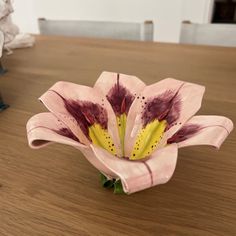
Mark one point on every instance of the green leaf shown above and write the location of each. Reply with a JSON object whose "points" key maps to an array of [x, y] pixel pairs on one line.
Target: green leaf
{"points": [[118, 188], [112, 183], [106, 183]]}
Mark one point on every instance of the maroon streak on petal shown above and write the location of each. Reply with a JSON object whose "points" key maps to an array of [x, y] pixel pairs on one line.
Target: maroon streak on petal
{"points": [[123, 106], [85, 113], [120, 98], [149, 171], [94, 113], [67, 133], [187, 131], [166, 106], [63, 132]]}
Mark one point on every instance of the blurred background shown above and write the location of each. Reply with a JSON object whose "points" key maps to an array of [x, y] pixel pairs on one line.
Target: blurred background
{"points": [[167, 15]]}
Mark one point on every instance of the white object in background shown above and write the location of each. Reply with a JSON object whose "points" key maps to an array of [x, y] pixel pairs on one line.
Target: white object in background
{"points": [[208, 34], [98, 29], [21, 41], [5, 8], [11, 36], [9, 29], [1, 42]]}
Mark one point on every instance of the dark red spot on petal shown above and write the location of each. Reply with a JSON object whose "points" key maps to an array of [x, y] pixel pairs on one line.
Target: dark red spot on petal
{"points": [[166, 106], [67, 133], [123, 106], [120, 98], [85, 113], [187, 131]]}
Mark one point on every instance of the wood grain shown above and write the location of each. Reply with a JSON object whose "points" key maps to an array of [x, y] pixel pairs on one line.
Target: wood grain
{"points": [[55, 191]]}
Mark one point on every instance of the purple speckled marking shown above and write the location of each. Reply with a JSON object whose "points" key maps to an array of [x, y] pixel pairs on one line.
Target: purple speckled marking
{"points": [[166, 106], [187, 131], [120, 98], [85, 113]]}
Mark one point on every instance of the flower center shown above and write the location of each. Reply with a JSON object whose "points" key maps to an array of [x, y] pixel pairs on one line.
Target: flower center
{"points": [[146, 142]]}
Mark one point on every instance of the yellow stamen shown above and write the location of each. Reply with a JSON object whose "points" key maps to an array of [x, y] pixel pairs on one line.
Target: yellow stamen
{"points": [[148, 139], [101, 138]]}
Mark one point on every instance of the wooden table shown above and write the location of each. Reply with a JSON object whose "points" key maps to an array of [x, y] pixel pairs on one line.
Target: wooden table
{"points": [[55, 191]]}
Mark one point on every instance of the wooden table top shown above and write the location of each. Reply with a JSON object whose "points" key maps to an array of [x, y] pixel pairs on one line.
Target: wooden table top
{"points": [[55, 191]]}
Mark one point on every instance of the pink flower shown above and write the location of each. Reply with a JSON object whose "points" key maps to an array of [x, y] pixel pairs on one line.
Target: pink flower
{"points": [[129, 131]]}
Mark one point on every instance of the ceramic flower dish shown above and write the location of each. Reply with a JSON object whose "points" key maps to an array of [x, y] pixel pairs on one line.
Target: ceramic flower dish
{"points": [[129, 131]]}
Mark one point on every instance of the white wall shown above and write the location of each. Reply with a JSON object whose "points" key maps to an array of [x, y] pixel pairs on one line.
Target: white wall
{"points": [[197, 11], [166, 14], [25, 15]]}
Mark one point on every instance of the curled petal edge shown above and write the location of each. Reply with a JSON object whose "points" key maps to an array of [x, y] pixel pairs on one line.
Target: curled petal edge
{"points": [[139, 175]]}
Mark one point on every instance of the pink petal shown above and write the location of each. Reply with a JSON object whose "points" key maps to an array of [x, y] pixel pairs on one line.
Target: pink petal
{"points": [[139, 175], [108, 80], [42, 131], [120, 91], [213, 130], [190, 97], [44, 128], [54, 99]]}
